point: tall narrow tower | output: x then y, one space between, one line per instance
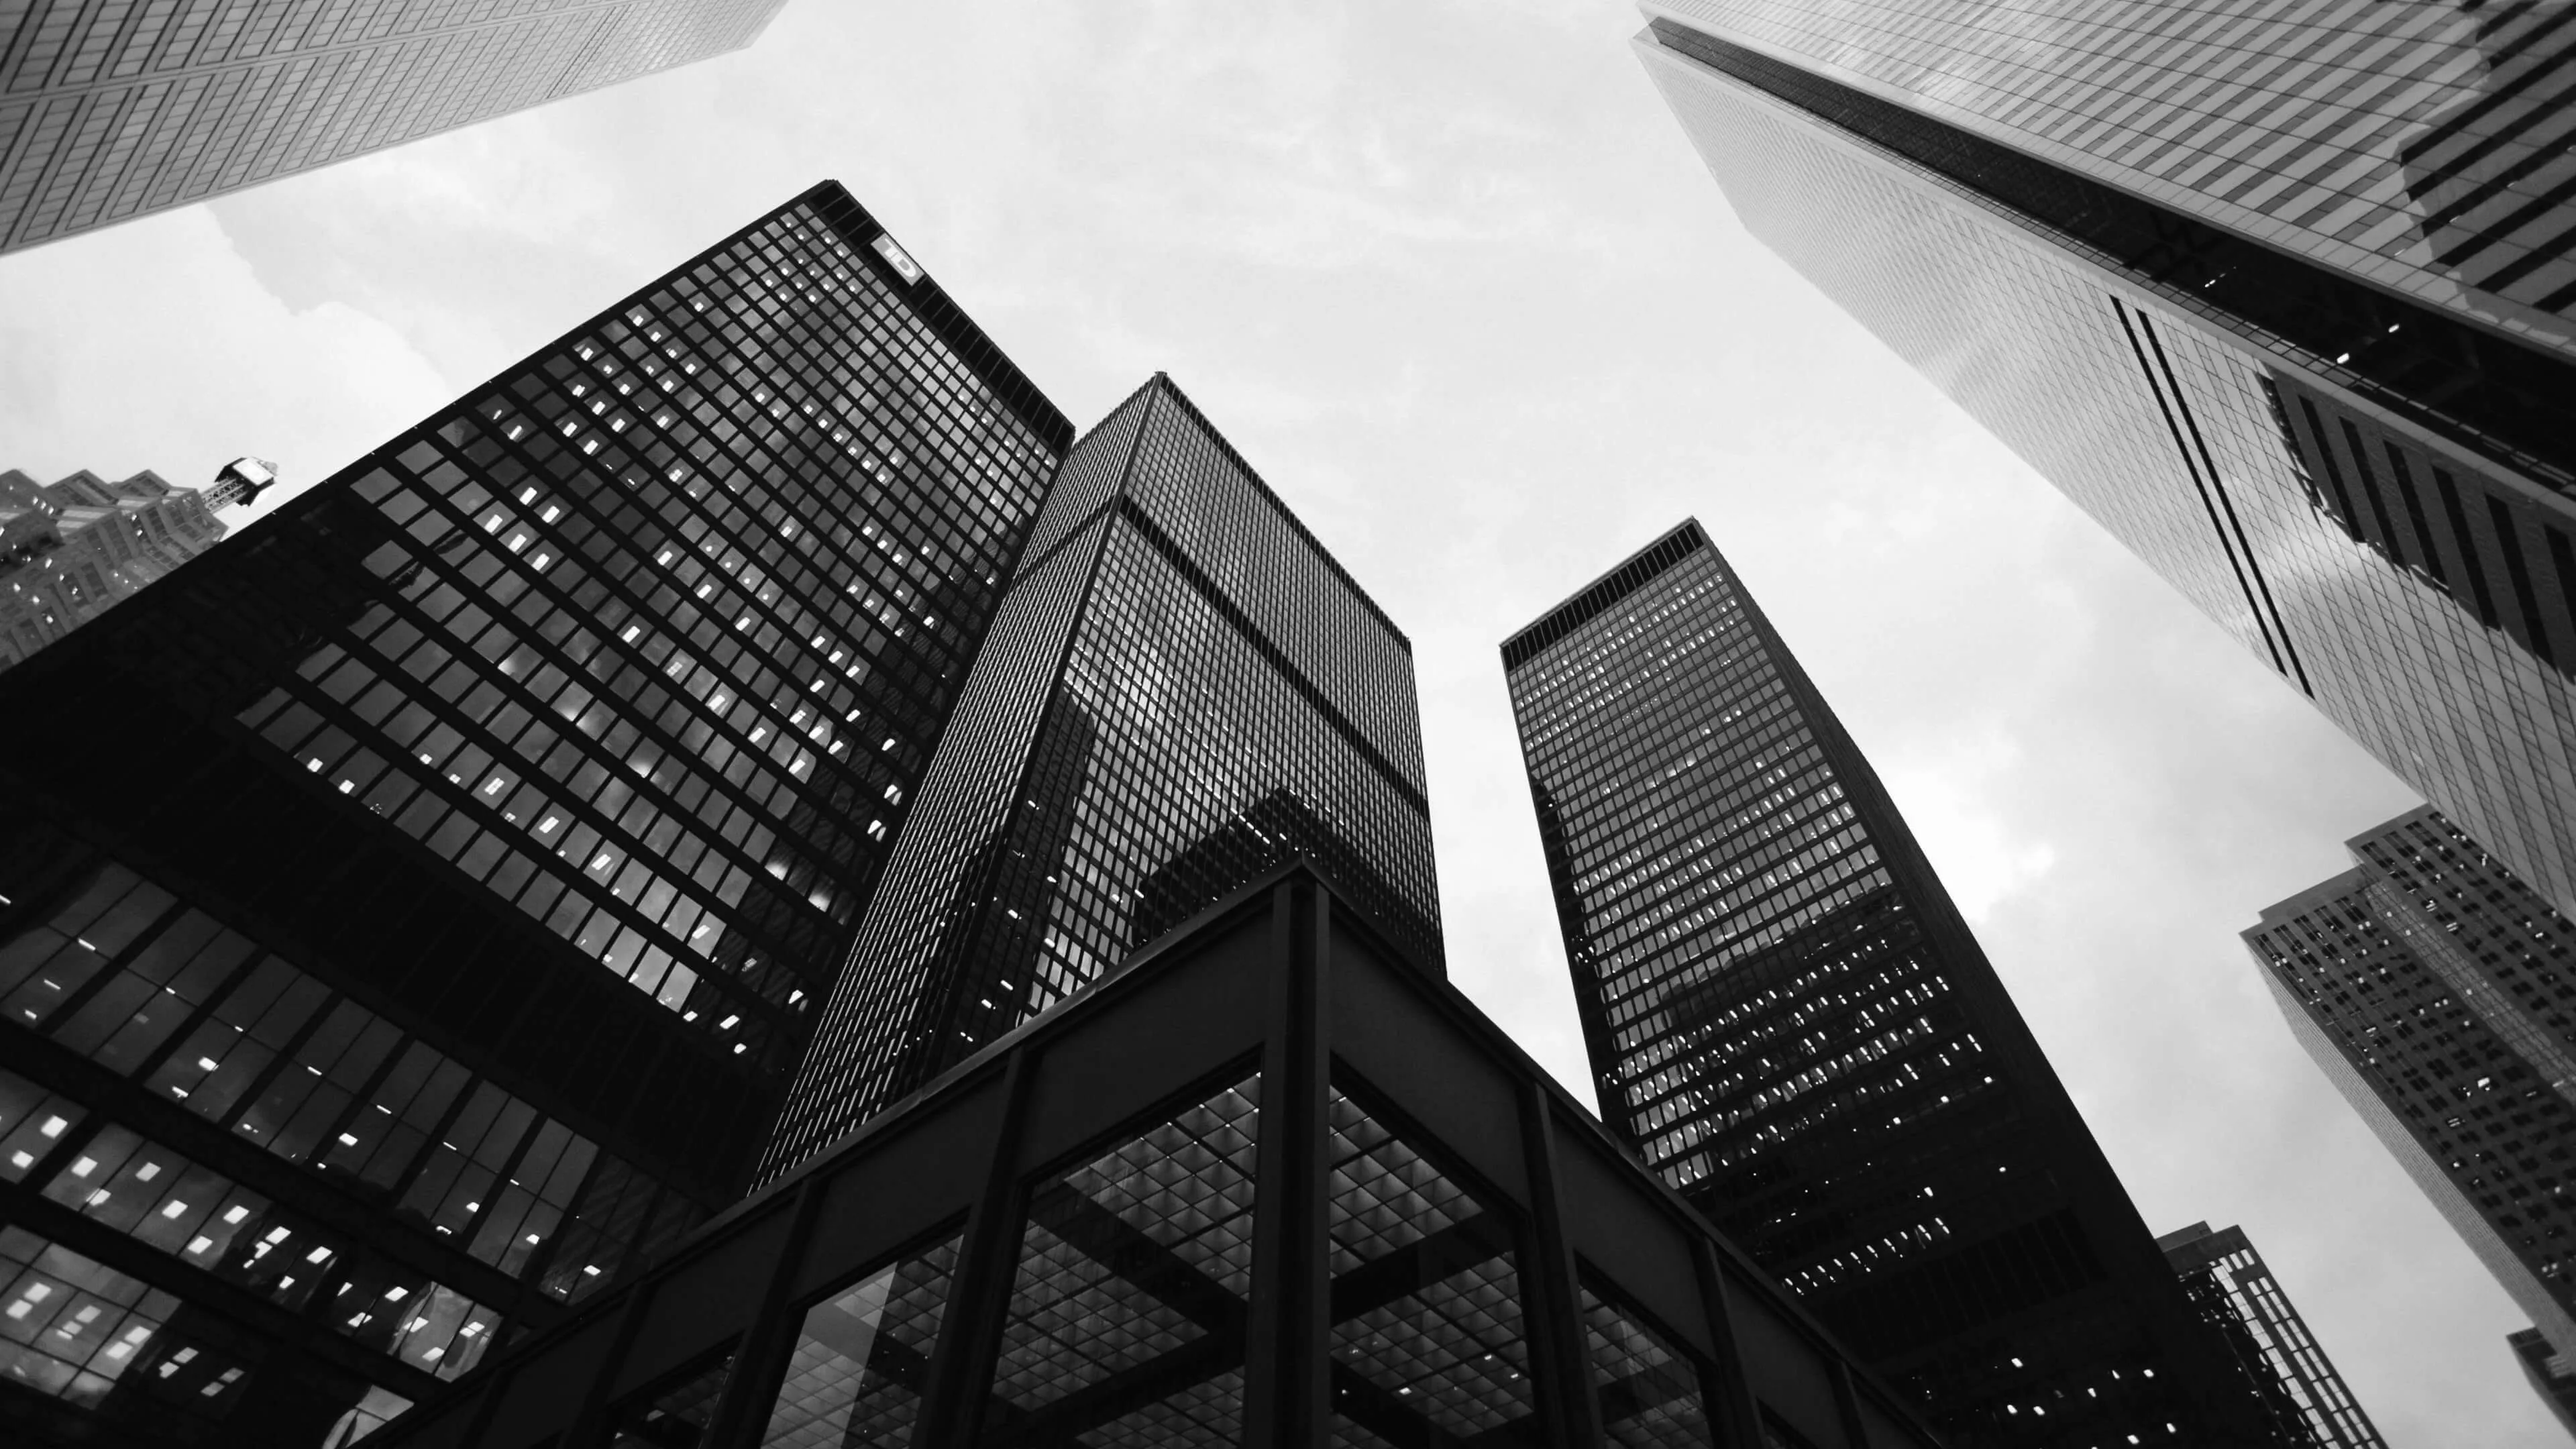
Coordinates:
1183 689
1790 1021
2283 295
2231 1285
113 111
412 911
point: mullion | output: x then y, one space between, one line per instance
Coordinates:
539 710
340 716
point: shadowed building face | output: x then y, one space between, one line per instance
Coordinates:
113 111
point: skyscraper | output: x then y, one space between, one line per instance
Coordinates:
72 549
110 111
2280 294
2432 989
2550 1374
2238 1296
510 800
1790 1021
1182 690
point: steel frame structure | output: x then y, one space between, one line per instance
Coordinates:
1286 979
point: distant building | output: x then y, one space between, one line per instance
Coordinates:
2551 1375
2427 984
2236 1294
1181 689
114 111
73 549
1788 1019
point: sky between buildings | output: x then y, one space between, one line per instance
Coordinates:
1449 277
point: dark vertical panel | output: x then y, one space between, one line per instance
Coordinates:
1550 1305
1287 1395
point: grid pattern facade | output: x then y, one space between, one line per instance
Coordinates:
665 626
74 548
2237 1294
2419 145
2504 951
2423 594
2478 1130
1182 690
110 109
525 784
1272 1185
1785 1016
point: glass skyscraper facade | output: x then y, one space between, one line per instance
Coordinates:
1790 1022
1182 689
2278 292
2234 1289
2434 990
111 109
510 802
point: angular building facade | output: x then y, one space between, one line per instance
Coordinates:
2432 988
1268 1184
72 549
512 800
2238 1296
2282 295
1789 1020
2549 1373
114 110
1182 689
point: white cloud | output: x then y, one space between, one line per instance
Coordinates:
154 345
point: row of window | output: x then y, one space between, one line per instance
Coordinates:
157 990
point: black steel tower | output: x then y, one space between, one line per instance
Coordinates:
1182 690
411 912
1792 1024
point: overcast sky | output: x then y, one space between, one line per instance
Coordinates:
1449 276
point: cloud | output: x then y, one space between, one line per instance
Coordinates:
154 345
1949 797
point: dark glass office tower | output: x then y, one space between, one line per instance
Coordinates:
1183 689
2236 1294
112 109
2283 296
2433 989
412 910
1789 1020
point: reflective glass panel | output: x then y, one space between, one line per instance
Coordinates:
672 1414
1127 1318
1648 1389
1426 1342
856 1374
